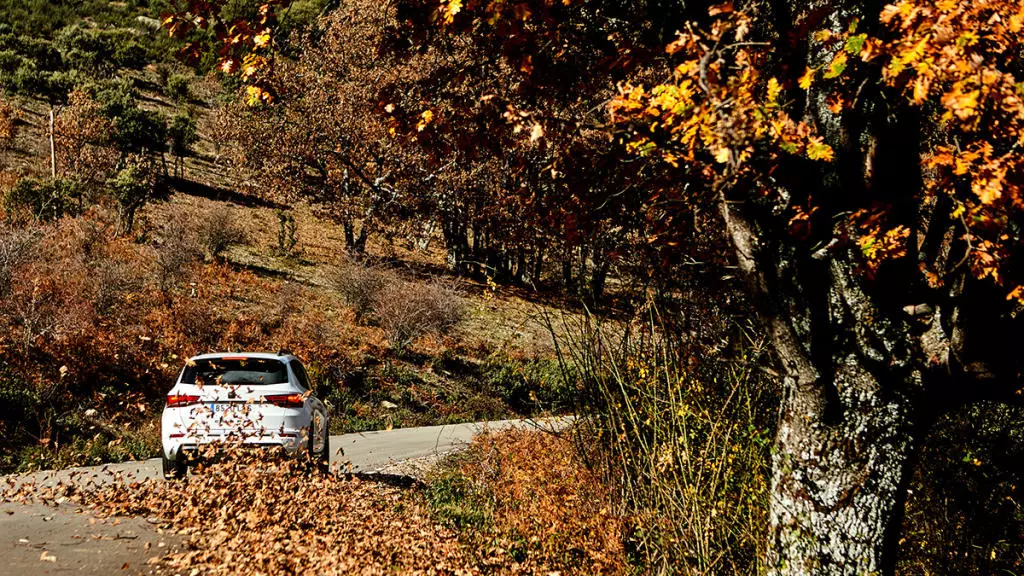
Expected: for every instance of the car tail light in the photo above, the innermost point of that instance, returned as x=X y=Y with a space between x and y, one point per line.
x=286 y=400
x=178 y=400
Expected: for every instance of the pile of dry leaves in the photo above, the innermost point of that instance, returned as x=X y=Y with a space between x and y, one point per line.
x=247 y=516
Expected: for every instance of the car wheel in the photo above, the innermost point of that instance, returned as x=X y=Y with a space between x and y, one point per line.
x=323 y=461
x=173 y=469
x=322 y=458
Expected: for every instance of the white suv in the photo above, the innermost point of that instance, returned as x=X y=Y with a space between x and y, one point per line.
x=250 y=398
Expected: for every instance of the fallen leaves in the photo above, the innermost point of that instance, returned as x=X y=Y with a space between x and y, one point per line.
x=246 y=514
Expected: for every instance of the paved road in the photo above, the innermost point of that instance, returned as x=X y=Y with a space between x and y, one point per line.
x=366 y=452
x=46 y=540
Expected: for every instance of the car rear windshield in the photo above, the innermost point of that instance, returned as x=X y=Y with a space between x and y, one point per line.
x=228 y=371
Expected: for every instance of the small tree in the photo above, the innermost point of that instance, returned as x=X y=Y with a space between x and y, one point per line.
x=131 y=188
x=182 y=135
x=286 y=233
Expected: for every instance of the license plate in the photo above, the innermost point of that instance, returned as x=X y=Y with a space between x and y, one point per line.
x=217 y=408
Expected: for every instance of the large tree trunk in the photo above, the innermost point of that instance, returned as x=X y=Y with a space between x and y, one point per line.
x=837 y=487
x=850 y=387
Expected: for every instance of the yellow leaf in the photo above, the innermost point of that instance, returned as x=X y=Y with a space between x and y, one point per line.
x=261 y=40
x=837 y=66
x=818 y=150
x=774 y=89
x=425 y=119
x=806 y=80
x=257 y=95
x=450 y=9
x=722 y=155
x=921 y=89
x=1016 y=294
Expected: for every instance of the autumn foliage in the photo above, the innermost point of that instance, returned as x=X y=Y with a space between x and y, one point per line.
x=727 y=117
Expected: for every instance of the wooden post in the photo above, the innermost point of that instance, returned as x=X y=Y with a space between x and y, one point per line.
x=53 y=154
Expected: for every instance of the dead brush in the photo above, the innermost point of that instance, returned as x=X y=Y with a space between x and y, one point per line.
x=527 y=497
x=684 y=440
x=360 y=285
x=407 y=310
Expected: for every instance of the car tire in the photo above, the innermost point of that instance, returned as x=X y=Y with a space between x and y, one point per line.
x=322 y=461
x=173 y=469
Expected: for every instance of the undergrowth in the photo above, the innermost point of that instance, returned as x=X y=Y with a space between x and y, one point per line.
x=684 y=432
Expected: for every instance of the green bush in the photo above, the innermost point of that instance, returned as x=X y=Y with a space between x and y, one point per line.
x=42 y=200
x=456 y=501
x=178 y=87
x=18 y=398
x=182 y=134
x=130 y=54
x=135 y=130
x=530 y=386
x=131 y=188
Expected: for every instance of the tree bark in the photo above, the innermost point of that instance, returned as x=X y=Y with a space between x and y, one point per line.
x=845 y=432
x=837 y=488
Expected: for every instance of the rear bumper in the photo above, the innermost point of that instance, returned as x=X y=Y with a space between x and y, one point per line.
x=292 y=441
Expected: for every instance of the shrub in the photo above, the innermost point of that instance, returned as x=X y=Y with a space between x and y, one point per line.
x=526 y=385
x=216 y=230
x=528 y=497
x=178 y=87
x=685 y=442
x=286 y=233
x=163 y=73
x=174 y=254
x=359 y=285
x=129 y=54
x=408 y=310
x=17 y=246
x=42 y=200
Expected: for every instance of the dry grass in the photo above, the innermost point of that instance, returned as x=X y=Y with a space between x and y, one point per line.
x=684 y=437
x=525 y=500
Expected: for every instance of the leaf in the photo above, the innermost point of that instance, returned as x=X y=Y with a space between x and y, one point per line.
x=854 y=44
x=774 y=89
x=823 y=35
x=449 y=10
x=425 y=119
x=837 y=66
x=818 y=150
x=536 y=133
x=261 y=40
x=835 y=103
x=229 y=65
x=806 y=80
x=723 y=8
